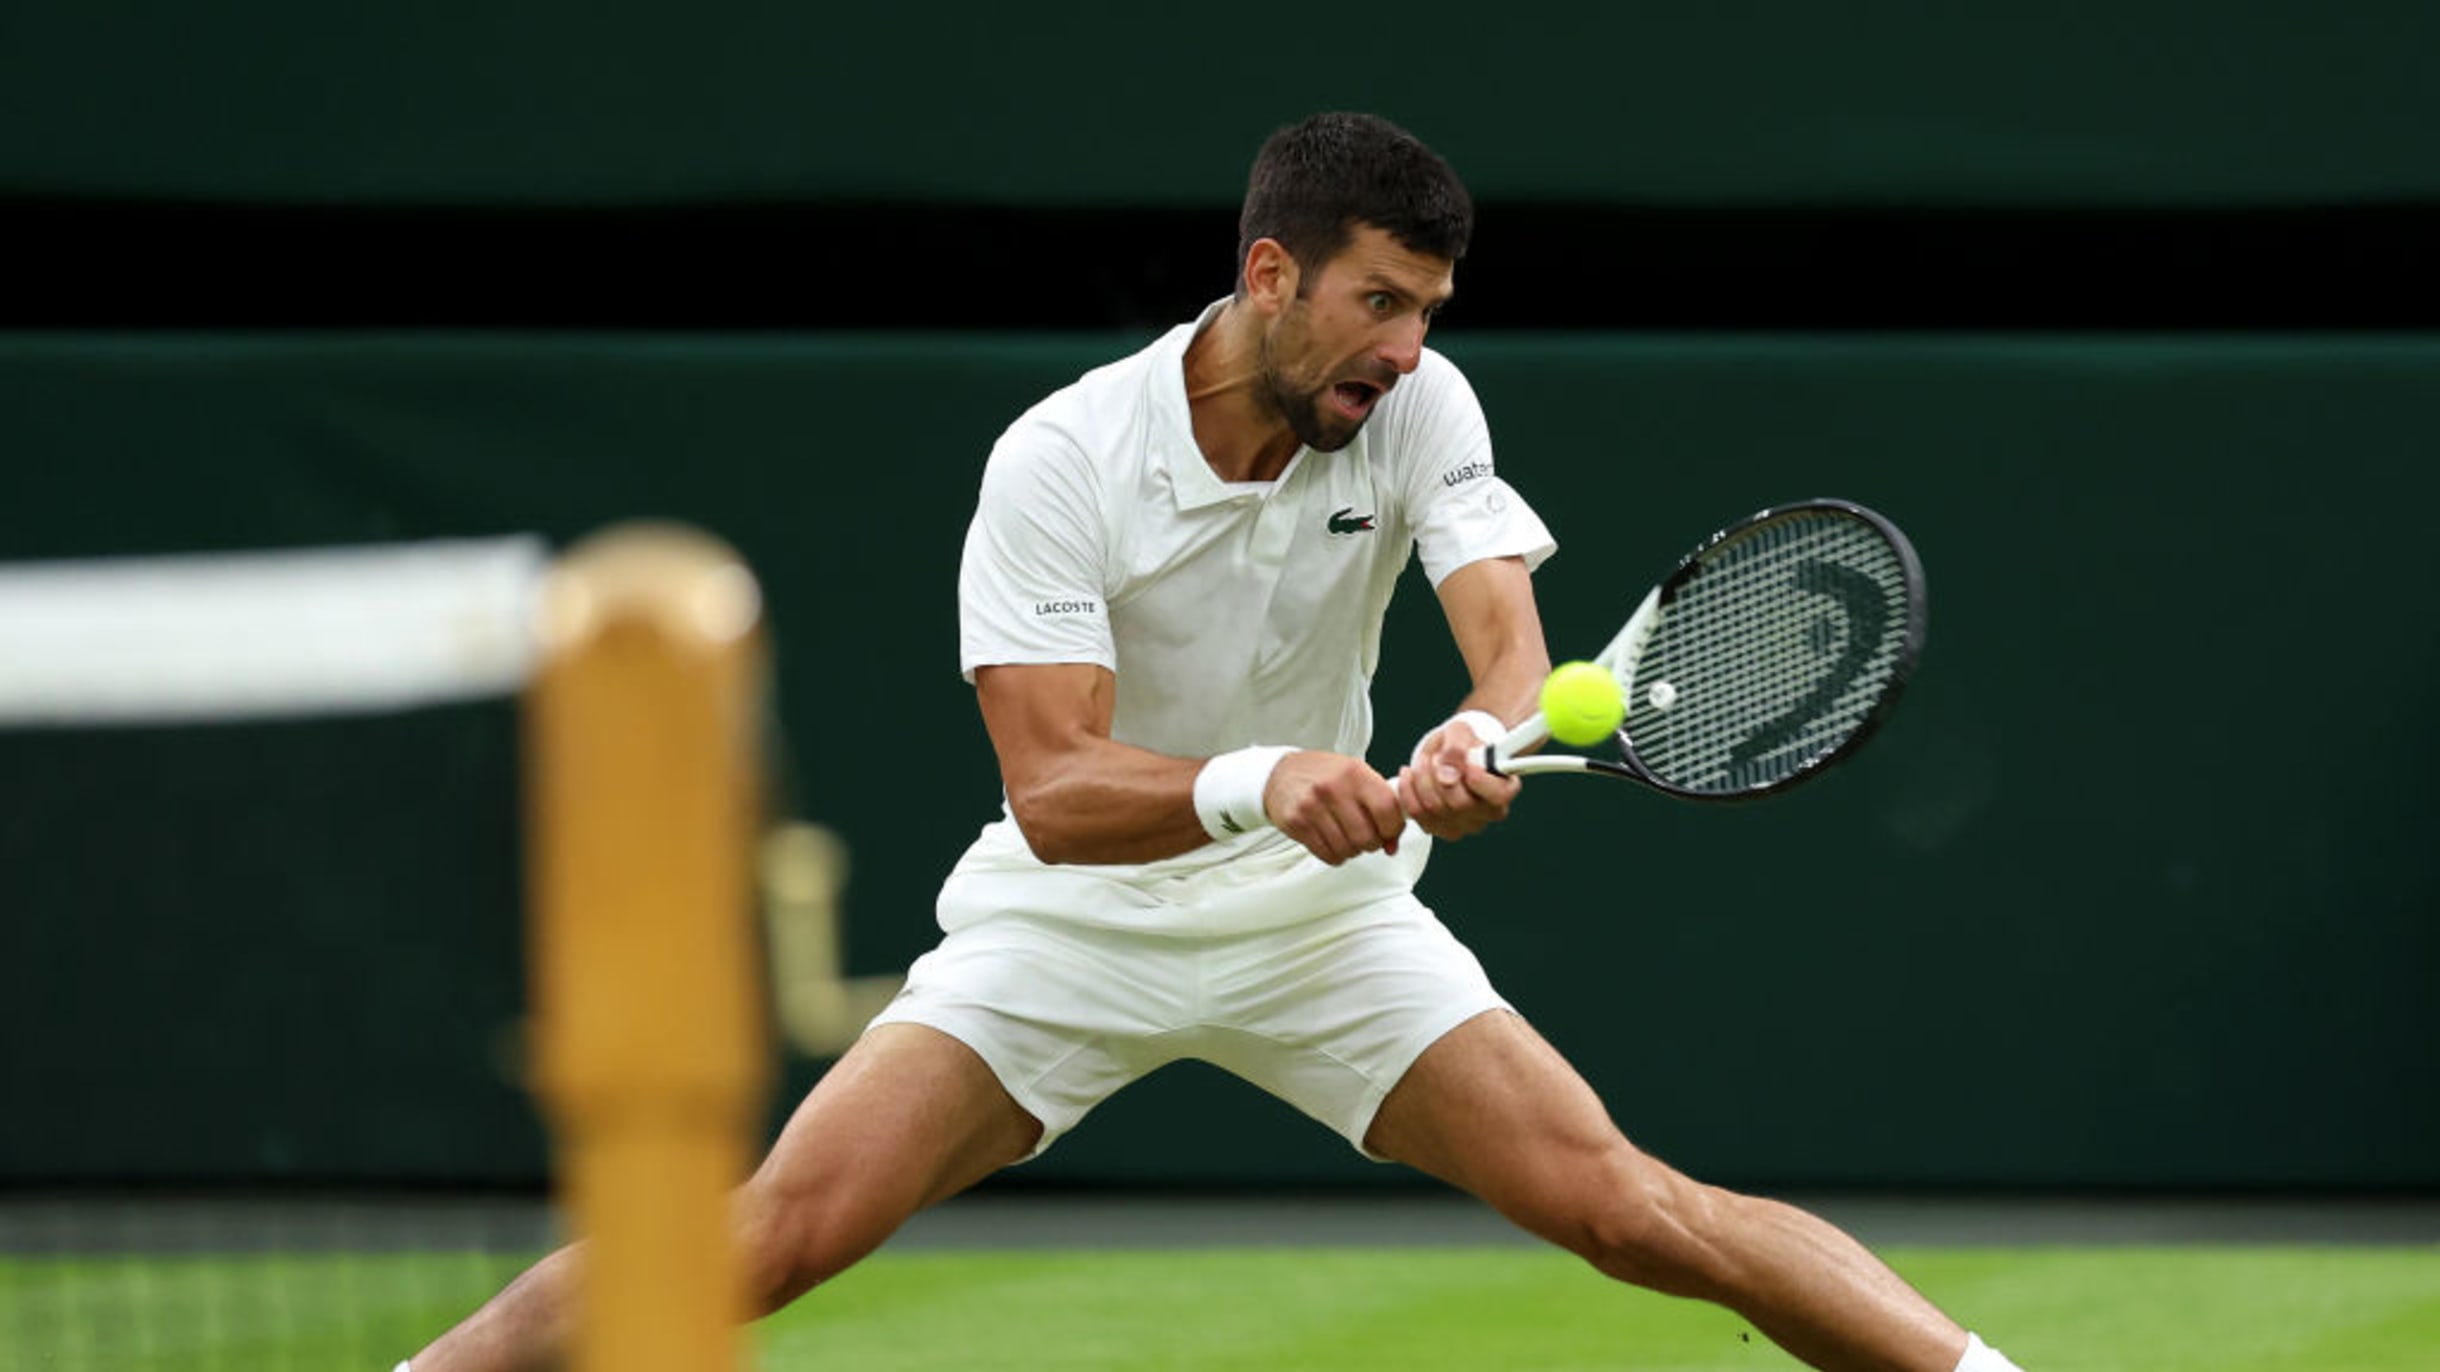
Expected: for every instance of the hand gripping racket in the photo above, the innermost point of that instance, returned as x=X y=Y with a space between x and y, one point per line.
x=1774 y=649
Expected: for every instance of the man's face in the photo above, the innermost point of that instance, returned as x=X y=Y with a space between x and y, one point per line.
x=1354 y=328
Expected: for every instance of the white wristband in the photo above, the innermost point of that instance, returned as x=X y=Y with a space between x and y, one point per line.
x=1228 y=791
x=1486 y=726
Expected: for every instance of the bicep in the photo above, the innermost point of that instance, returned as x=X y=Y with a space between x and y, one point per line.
x=1038 y=713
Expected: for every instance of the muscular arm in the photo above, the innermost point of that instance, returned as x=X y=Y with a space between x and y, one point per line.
x=1078 y=794
x=1081 y=796
x=1491 y=612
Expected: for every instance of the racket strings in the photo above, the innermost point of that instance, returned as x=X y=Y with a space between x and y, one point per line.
x=1776 y=650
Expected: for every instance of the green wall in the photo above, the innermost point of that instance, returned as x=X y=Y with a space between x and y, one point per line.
x=2158 y=102
x=2136 y=888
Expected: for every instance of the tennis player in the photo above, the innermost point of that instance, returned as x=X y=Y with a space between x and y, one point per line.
x=1171 y=604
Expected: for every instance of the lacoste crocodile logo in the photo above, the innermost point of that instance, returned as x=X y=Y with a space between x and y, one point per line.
x=1346 y=521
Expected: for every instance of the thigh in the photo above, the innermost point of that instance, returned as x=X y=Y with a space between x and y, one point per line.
x=908 y=1117
x=1492 y=1108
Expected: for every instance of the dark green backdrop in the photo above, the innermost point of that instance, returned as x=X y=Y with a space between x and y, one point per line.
x=2151 y=102
x=2138 y=888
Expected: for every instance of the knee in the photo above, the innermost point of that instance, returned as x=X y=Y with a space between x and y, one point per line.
x=790 y=1243
x=780 y=1264
x=1651 y=1227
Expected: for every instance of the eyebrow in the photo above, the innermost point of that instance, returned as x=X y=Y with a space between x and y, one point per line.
x=1376 y=281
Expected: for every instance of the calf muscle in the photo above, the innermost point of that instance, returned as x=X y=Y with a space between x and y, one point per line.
x=1555 y=1165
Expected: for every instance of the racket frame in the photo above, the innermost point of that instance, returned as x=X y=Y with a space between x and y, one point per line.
x=1503 y=757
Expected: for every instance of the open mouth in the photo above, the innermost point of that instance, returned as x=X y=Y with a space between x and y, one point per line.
x=1355 y=399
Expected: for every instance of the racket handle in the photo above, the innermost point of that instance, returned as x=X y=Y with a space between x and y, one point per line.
x=1530 y=731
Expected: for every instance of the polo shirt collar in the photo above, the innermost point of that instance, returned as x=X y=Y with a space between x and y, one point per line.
x=1191 y=478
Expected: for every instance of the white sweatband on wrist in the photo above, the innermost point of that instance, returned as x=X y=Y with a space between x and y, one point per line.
x=1486 y=726
x=1228 y=791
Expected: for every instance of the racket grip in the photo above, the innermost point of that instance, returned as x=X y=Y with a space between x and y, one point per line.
x=1494 y=757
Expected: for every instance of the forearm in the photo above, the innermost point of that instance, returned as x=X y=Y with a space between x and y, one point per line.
x=1491 y=611
x=1513 y=693
x=1508 y=684
x=1081 y=797
x=1102 y=801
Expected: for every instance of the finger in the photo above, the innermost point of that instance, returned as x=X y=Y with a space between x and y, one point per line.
x=1487 y=789
x=1321 y=837
x=1449 y=762
x=1388 y=820
x=1353 y=829
x=1351 y=820
x=1428 y=820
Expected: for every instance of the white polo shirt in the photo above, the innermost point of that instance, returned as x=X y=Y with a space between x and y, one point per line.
x=1230 y=613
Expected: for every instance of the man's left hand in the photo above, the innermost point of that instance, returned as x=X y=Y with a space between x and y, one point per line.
x=1449 y=795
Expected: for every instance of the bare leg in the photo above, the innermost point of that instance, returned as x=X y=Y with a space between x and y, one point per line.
x=1556 y=1165
x=909 y=1117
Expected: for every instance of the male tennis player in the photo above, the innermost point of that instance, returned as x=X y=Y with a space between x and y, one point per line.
x=1171 y=604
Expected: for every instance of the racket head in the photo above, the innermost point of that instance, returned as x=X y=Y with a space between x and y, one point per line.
x=1779 y=645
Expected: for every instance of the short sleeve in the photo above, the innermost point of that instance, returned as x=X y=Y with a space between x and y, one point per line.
x=1460 y=509
x=1030 y=586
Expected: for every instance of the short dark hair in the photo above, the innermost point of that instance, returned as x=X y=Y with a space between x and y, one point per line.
x=1314 y=182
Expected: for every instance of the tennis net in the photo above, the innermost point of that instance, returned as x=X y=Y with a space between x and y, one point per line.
x=297 y=1003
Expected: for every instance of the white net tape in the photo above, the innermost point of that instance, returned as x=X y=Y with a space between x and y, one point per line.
x=215 y=637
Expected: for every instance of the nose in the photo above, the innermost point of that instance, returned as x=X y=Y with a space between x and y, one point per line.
x=1401 y=345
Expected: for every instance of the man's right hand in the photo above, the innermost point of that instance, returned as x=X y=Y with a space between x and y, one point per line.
x=1447 y=790
x=1334 y=805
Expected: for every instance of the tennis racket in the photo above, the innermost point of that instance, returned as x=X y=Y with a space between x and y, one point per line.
x=1774 y=649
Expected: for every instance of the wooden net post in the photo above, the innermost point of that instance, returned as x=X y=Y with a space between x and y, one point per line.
x=651 y=1048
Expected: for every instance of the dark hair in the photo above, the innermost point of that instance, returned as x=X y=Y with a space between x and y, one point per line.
x=1314 y=182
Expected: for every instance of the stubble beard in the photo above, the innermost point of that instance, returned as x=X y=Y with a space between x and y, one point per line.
x=1303 y=412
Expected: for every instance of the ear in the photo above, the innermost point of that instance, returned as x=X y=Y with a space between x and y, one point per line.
x=1270 y=275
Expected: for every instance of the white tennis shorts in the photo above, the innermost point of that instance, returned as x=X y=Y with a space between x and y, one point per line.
x=1320 y=985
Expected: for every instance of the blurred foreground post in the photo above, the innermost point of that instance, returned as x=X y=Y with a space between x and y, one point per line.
x=650 y=1042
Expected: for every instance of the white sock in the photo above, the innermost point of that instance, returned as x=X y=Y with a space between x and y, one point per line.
x=1980 y=1357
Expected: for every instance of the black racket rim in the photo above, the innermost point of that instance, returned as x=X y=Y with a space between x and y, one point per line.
x=1902 y=669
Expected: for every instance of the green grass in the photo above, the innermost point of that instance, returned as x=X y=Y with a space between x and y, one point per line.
x=236 y=1314
x=1327 y=1310
x=1484 y=1310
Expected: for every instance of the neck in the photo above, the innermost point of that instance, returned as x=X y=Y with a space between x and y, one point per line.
x=1241 y=433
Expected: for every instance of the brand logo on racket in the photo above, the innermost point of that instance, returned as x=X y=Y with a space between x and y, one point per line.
x=1346 y=521
x=1867 y=618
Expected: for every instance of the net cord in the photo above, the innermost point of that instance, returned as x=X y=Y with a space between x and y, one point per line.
x=219 y=637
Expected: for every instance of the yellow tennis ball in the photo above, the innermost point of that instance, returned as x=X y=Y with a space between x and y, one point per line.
x=1583 y=703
